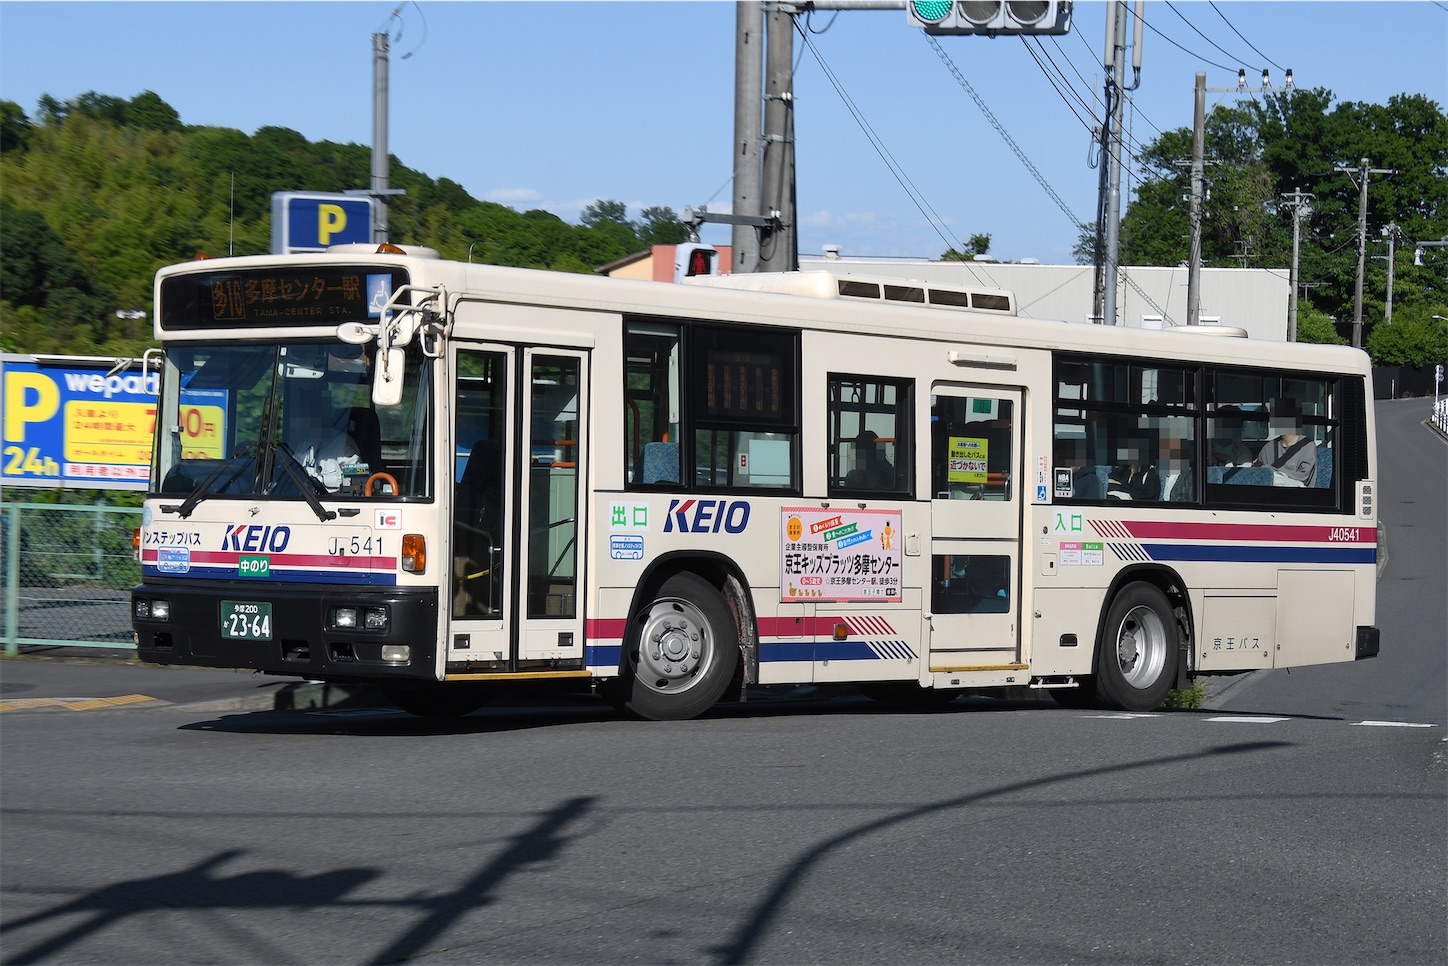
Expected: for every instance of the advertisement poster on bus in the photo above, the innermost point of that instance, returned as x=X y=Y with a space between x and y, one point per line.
x=79 y=422
x=830 y=554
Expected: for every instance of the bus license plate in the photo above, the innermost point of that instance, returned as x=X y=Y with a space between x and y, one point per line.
x=246 y=620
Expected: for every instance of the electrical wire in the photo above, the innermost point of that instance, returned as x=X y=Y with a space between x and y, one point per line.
x=1185 y=50
x=936 y=222
x=1213 y=5
x=1183 y=18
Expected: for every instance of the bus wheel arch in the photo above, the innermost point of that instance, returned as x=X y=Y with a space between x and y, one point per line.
x=682 y=646
x=1143 y=646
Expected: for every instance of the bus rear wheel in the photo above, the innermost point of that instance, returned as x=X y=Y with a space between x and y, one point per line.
x=1138 y=654
x=438 y=702
x=681 y=652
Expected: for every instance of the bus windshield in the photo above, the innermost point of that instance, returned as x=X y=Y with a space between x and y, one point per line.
x=266 y=419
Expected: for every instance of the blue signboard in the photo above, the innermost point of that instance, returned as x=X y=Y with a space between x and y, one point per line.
x=73 y=423
x=309 y=222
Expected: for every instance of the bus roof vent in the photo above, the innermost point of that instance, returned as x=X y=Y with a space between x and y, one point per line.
x=825 y=285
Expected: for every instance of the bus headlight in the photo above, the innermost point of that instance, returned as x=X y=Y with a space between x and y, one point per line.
x=397 y=653
x=375 y=618
x=151 y=610
x=345 y=617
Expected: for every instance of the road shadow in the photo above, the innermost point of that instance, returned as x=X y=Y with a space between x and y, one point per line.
x=203 y=886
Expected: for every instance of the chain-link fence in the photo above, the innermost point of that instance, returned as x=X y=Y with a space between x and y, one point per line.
x=68 y=574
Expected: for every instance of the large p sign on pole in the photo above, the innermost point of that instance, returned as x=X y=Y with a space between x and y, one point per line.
x=310 y=222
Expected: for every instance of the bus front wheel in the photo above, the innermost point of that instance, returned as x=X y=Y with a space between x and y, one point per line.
x=1137 y=660
x=681 y=652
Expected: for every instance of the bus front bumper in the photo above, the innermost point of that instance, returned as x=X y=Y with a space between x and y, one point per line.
x=320 y=632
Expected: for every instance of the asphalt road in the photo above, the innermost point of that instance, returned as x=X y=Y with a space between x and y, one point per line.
x=1301 y=820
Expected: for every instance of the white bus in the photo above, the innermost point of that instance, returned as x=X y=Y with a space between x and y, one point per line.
x=449 y=479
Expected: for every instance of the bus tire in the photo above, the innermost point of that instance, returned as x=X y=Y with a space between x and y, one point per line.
x=1137 y=655
x=438 y=702
x=681 y=652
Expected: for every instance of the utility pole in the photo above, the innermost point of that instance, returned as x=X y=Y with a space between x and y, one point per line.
x=748 y=118
x=1194 y=213
x=1364 y=173
x=777 y=248
x=1390 y=233
x=1115 y=64
x=1300 y=205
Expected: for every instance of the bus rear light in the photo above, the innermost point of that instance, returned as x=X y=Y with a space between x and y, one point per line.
x=414 y=553
x=397 y=653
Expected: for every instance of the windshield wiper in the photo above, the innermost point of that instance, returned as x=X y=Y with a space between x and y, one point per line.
x=203 y=489
x=304 y=483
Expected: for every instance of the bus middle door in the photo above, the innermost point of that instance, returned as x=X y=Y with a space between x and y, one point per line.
x=976 y=494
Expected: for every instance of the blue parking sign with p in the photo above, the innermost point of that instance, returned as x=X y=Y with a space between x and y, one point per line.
x=304 y=222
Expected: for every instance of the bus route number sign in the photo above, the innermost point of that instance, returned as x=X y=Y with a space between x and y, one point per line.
x=246 y=620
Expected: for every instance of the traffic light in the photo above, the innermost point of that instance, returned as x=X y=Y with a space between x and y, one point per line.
x=694 y=259
x=991 y=17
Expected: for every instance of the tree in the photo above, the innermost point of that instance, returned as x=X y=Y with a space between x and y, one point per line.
x=1413 y=338
x=977 y=246
x=1315 y=326
x=14 y=127
x=661 y=226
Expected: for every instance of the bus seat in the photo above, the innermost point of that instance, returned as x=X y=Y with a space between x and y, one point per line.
x=1323 y=479
x=660 y=463
x=366 y=432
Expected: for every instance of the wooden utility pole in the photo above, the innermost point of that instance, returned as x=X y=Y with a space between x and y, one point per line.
x=1301 y=206
x=1194 y=216
x=1364 y=172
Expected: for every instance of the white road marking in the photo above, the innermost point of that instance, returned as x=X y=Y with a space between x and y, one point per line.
x=1391 y=724
x=1248 y=719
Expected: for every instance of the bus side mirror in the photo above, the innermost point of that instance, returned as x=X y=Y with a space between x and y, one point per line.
x=387 y=379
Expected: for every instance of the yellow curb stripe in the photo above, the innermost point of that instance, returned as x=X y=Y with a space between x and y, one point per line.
x=73 y=704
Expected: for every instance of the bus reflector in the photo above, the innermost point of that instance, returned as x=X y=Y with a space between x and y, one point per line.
x=414 y=553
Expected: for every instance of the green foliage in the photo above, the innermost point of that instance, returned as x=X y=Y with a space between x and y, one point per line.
x=1263 y=149
x=975 y=247
x=1316 y=326
x=1191 y=697
x=99 y=192
x=1413 y=338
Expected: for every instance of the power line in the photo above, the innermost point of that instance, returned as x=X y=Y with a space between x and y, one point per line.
x=1249 y=43
x=916 y=197
x=1187 y=51
x=1183 y=18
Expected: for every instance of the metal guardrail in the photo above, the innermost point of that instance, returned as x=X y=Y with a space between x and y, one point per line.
x=1438 y=419
x=68 y=574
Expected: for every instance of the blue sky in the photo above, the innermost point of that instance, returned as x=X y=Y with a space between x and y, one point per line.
x=553 y=105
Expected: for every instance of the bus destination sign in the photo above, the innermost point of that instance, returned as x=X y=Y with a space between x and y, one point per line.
x=279 y=296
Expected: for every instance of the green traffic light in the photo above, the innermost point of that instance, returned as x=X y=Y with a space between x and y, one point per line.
x=931 y=11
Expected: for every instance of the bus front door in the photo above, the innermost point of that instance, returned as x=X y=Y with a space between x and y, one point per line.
x=976 y=503
x=517 y=511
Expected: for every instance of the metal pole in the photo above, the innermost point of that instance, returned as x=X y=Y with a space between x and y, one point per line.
x=1194 y=249
x=777 y=249
x=1391 y=231
x=1296 y=251
x=379 y=138
x=1113 y=161
x=748 y=108
x=1357 y=298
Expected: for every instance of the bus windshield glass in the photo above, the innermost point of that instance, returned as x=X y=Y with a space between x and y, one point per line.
x=265 y=419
